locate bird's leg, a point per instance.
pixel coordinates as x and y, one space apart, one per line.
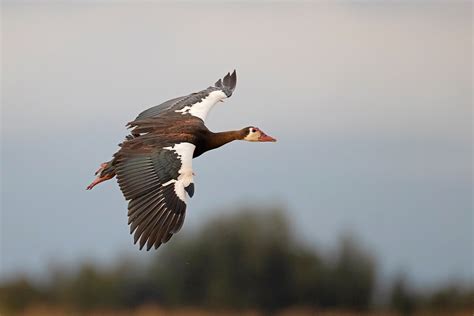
99 180
102 166
99 177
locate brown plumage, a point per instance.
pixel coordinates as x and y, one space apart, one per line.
154 163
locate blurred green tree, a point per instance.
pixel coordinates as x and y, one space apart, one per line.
402 298
19 293
251 259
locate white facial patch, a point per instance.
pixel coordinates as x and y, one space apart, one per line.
201 109
185 154
252 136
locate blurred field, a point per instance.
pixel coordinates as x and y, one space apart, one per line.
156 310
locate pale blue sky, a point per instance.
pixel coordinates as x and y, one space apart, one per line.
371 105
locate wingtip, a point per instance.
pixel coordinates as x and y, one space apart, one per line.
229 81
233 79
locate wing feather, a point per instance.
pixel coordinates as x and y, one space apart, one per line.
154 182
196 104
152 207
138 204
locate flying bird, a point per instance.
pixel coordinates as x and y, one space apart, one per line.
154 163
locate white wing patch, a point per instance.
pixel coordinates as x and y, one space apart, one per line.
201 109
185 154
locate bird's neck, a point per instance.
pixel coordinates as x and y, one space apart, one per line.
218 139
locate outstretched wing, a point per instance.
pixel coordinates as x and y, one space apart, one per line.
156 181
197 104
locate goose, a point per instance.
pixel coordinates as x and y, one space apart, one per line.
153 165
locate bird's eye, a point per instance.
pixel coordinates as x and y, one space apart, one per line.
254 130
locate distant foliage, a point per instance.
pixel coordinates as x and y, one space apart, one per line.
252 259
18 294
407 301
245 261
402 298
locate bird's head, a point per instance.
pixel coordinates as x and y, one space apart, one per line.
254 134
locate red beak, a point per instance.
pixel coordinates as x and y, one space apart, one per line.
265 138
